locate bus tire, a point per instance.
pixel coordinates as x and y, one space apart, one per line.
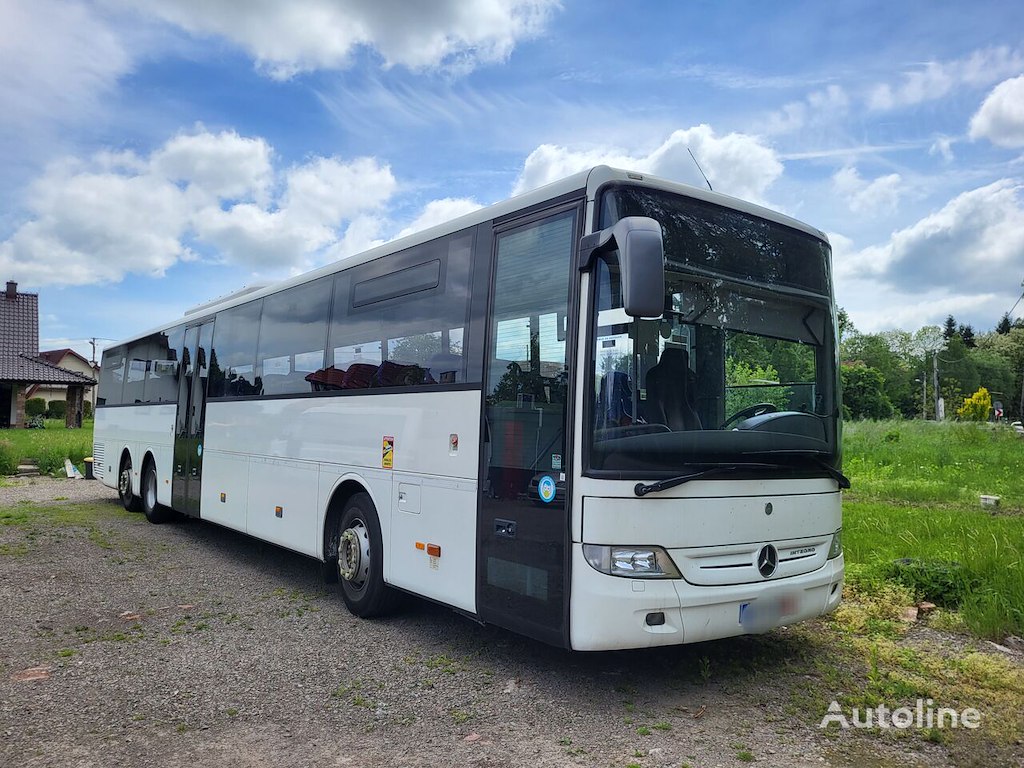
124 486
361 560
154 511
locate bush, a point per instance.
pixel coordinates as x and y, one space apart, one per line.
58 409
86 410
977 407
35 406
943 583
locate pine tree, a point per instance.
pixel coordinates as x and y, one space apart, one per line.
967 334
949 328
1004 325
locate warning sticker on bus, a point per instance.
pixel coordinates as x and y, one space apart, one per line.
387 453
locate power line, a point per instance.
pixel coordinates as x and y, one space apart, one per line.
1017 301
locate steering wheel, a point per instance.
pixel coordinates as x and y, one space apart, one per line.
751 410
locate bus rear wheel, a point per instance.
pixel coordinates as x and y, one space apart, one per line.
153 510
361 560
124 486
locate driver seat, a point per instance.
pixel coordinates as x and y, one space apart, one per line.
670 391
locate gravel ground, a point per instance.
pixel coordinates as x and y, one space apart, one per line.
191 644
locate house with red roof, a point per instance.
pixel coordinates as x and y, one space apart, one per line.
21 366
69 360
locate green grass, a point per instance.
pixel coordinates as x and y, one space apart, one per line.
48 447
915 495
945 464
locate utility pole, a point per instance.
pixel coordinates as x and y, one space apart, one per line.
92 341
935 380
924 395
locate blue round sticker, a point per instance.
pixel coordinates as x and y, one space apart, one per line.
546 489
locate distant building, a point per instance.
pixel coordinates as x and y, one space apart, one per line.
22 367
69 360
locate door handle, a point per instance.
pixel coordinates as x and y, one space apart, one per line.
506 528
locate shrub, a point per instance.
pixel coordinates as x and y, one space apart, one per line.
86 410
977 407
944 583
35 406
58 409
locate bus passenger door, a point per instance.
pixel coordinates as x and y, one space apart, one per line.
523 523
188 431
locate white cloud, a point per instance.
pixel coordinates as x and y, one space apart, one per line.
1000 119
819 108
327 191
58 59
942 146
438 212
974 243
96 221
866 197
223 165
736 164
286 38
933 80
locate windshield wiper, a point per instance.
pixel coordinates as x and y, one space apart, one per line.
642 489
835 474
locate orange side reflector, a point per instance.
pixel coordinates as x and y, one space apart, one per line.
433 550
419 545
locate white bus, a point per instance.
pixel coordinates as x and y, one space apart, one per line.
604 414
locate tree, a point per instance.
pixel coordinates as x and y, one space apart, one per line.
876 351
745 387
949 328
966 332
1010 347
1004 325
928 339
846 326
957 373
995 374
863 397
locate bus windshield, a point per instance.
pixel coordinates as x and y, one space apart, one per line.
740 367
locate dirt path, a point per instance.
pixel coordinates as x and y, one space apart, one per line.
187 644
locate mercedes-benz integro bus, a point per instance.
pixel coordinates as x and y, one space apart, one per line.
604 414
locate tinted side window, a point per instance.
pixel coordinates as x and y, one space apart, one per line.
135 373
162 373
401 320
233 359
111 376
293 336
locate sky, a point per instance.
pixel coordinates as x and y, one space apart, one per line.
156 154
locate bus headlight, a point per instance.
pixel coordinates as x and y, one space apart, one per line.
631 562
836 549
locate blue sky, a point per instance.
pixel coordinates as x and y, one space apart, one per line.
159 153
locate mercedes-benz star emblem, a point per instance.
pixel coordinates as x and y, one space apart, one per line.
767 560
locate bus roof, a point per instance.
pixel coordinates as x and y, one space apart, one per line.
590 180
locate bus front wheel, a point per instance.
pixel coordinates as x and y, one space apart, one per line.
124 486
361 560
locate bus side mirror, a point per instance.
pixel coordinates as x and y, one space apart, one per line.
641 261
